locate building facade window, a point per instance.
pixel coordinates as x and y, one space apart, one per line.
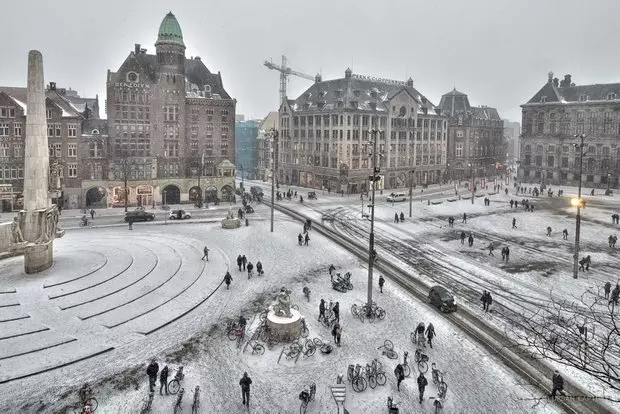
72 130
58 150
459 134
72 170
95 150
49 113
72 150
459 149
17 130
4 130
4 150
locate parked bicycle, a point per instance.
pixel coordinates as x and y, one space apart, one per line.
237 334
196 403
175 383
148 403
422 360
179 402
87 223
291 352
355 375
306 396
374 374
304 331
371 313
257 348
405 364
438 380
392 406
388 350
88 403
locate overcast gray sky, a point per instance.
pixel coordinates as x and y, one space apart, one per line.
497 51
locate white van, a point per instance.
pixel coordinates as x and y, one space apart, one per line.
396 197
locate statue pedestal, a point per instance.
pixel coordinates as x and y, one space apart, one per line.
287 329
38 257
233 223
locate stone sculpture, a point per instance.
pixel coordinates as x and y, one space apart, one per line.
16 231
283 307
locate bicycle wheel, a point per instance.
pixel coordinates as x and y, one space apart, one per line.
388 344
380 313
381 380
354 309
371 317
94 403
295 307
317 341
174 386
364 383
304 332
413 338
407 370
422 367
391 354
232 335
443 388
259 349
349 286
311 351
372 381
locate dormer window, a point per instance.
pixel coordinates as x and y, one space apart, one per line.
611 96
95 132
208 88
582 98
543 99
132 77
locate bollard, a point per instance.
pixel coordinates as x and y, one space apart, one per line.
247 222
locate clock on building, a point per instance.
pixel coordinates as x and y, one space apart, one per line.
132 77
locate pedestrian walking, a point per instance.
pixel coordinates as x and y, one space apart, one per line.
463 237
582 263
484 299
300 239
402 216
381 282
322 310
565 234
245 383
331 269
558 384
399 373
607 289
548 231
239 262
336 310
205 253
336 332
464 217
244 261
514 223
259 268
250 267
489 301
471 240
396 218
507 253
92 214
588 262
503 254
227 279
163 380
422 383
152 371
615 295
306 239
491 248
430 334
130 222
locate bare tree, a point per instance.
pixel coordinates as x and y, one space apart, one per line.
582 333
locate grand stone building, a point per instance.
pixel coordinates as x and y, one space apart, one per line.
264 146
171 124
552 118
476 143
324 135
66 112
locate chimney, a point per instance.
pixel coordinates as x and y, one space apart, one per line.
197 58
348 73
318 78
550 77
556 82
137 48
410 82
566 82
143 50
52 86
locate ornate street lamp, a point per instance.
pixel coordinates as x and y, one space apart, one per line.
579 203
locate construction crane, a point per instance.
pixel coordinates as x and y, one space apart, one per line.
285 71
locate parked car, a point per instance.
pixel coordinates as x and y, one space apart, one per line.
396 197
179 215
440 297
139 215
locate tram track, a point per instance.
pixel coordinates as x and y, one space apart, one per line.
535 372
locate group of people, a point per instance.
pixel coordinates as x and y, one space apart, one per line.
151 372
245 265
615 295
612 239
615 218
470 239
303 239
584 263
397 218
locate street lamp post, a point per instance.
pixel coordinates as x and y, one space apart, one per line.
473 192
273 134
410 191
371 240
579 204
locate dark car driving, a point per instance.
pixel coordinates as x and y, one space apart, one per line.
139 215
440 297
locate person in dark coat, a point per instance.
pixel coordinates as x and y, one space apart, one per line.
464 217
396 218
239 262
336 332
381 283
152 371
430 334
489 301
463 237
244 261
422 383
205 253
470 239
607 289
514 223
336 310
300 238
399 373
259 267
163 380
245 383
306 239
558 384
402 216
615 294
227 279
250 267
483 299
322 309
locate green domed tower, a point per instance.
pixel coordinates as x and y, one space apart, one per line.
169 45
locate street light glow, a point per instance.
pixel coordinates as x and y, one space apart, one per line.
576 202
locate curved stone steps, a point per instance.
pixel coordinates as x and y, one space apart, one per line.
11 313
139 270
7 301
21 327
13 347
116 265
190 270
166 270
68 268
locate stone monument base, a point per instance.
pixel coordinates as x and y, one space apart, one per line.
233 223
38 257
285 328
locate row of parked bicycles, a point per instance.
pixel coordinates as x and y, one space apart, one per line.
307 349
370 375
368 312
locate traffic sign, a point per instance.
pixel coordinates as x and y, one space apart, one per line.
339 392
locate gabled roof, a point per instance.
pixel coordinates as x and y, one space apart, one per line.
363 92
454 102
20 96
270 121
485 112
550 91
568 92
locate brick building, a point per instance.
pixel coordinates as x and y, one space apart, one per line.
476 143
552 117
170 121
66 112
324 135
